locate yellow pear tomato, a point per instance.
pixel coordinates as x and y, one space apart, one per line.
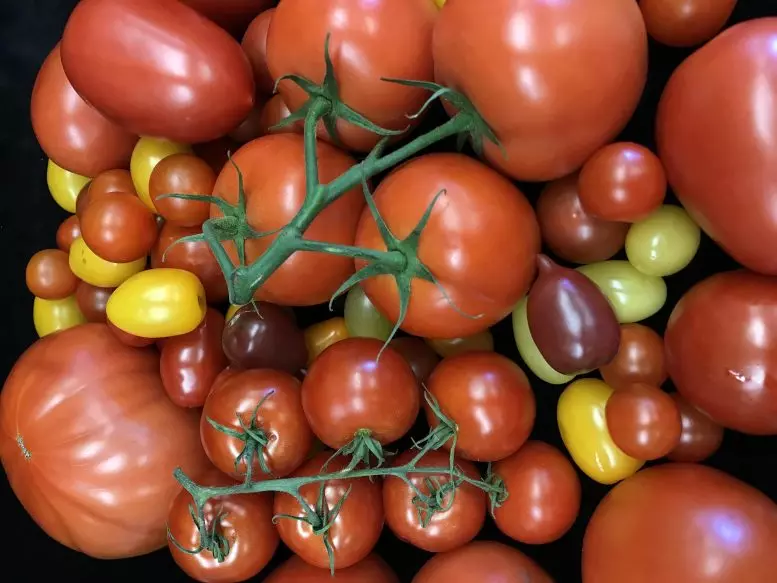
64 185
321 336
147 154
51 316
448 347
93 269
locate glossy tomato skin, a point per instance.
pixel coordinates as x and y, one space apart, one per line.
700 437
49 316
64 186
554 104
373 569
108 182
233 15
48 275
355 530
254 45
67 232
482 216
92 301
127 338
182 174
446 530
322 335
361 33
71 132
671 523
81 402
685 24
640 358
119 228
274 179
199 95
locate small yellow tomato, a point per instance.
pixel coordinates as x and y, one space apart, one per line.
147 154
93 269
663 243
158 303
321 336
54 315
231 311
447 347
583 427
64 186
440 3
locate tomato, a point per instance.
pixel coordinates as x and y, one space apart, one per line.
362 319
67 232
553 104
322 335
445 347
72 133
689 23
64 185
182 174
700 437
354 531
275 111
418 354
232 15
279 416
254 45
490 400
274 179
456 521
48 275
360 56
250 128
129 339
640 358
51 316
543 494
89 267
76 405
108 182
147 154
216 152
349 389
571 232
482 561
373 569
92 301
663 243
119 228
244 522
679 523
201 93
480 215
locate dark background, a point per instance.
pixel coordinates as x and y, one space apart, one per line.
28 222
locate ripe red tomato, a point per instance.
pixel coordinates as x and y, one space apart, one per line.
552 104
276 110
129 339
119 227
73 134
48 275
482 215
67 232
254 45
687 23
92 300
373 569
369 41
273 169
82 414
640 358
700 437
355 530
280 418
182 174
232 15
190 83
458 521
108 182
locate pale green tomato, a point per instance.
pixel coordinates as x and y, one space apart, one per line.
663 243
362 319
633 295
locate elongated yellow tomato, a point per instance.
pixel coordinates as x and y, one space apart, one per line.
93 269
447 347
147 154
54 315
158 303
321 336
64 186
583 428
663 243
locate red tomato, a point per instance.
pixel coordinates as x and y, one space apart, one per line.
276 110
369 41
250 128
544 92
108 182
373 569
119 228
233 15
48 275
418 354
92 300
69 230
354 531
640 358
216 152
81 415
72 133
190 83
481 216
686 23
182 174
273 171
129 339
700 437
254 45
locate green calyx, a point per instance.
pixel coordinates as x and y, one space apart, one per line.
211 538
498 493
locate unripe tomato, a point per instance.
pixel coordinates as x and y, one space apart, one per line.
321 336
51 316
147 154
91 268
64 186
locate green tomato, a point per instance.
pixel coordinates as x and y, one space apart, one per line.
663 243
633 295
362 319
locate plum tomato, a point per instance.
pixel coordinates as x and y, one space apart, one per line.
67 232
119 228
373 569
91 268
182 174
48 275
418 354
322 335
92 301
700 437
478 342
254 45
51 316
640 358
64 185
108 182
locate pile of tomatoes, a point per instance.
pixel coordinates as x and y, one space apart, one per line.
223 430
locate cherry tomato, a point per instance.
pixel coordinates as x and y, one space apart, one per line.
543 494
67 232
250 128
490 400
687 23
640 358
147 154
108 182
130 339
235 396
373 569
663 243
458 521
48 275
348 389
362 319
51 316
64 185
92 301
418 354
354 531
276 110
182 174
91 268
254 45
700 437
445 347
119 228
321 336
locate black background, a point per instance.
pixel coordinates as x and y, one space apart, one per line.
28 222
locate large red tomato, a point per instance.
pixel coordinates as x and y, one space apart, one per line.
89 441
536 72
721 350
157 68
717 138
234 15
681 523
72 133
373 569
480 243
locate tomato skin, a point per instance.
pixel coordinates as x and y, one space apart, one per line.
48 275
640 358
275 111
233 15
322 335
686 24
108 182
92 301
51 316
700 437
67 232
119 228
373 569
418 354
254 45
182 174
82 401
481 216
64 185
147 154
127 338
446 347
91 268
447 530
200 95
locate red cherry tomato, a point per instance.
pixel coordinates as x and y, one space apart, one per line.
700 437
119 228
276 110
686 23
254 45
182 174
108 182
92 300
640 358
67 232
48 275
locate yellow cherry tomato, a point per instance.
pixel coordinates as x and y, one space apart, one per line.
64 186
93 269
158 303
663 243
147 154
583 428
54 315
440 3
321 336
447 347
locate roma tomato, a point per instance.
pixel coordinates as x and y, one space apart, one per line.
700 437
354 531
232 15
182 174
362 319
91 268
67 232
418 354
48 275
687 23
201 94
51 316
446 347
490 400
79 402
129 339
108 182
254 45
92 301
449 525
64 185
267 401
480 216
373 569
640 359
119 228
322 335
147 154
548 114
360 32
70 131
